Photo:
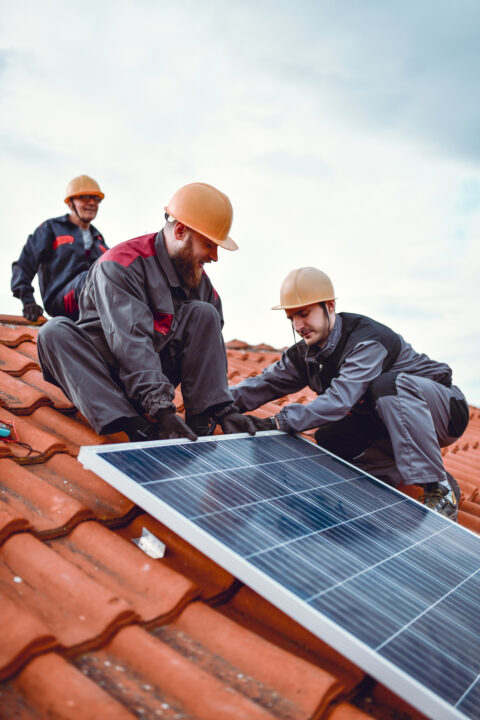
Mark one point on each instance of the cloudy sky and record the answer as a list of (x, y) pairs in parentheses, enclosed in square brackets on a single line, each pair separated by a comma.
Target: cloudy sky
[(346, 133)]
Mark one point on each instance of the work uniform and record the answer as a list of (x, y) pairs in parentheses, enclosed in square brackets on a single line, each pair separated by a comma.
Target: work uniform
[(380, 404), (140, 333), (58, 253)]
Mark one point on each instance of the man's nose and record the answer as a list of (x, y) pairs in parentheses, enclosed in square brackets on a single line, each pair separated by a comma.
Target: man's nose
[(213, 253), (297, 323)]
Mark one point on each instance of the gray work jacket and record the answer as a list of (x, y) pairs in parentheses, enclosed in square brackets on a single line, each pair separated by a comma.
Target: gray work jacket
[(129, 307), (357, 351)]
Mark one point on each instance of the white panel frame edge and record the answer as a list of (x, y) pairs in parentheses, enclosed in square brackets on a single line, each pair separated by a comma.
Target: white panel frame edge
[(355, 650)]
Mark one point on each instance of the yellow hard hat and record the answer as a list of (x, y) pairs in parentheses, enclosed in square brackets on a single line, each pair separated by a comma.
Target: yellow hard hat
[(305, 286), (205, 209), (82, 185)]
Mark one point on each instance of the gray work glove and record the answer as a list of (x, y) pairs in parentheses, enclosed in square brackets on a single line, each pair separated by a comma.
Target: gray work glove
[(170, 425), (32, 311), (233, 421), (264, 423)]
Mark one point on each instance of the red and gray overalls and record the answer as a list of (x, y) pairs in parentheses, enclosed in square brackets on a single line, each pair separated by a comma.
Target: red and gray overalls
[(380, 404), (140, 333), (56, 252)]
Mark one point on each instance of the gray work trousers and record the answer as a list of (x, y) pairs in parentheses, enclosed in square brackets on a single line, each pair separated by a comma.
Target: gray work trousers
[(397, 436), (82, 365)]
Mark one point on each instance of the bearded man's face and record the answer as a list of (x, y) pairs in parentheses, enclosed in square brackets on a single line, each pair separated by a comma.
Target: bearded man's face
[(189, 260)]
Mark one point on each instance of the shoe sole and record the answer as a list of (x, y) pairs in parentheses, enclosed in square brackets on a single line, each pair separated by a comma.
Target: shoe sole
[(455, 487), (457, 493)]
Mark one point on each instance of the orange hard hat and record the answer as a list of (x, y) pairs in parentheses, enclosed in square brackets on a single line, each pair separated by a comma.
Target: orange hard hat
[(305, 286), (205, 209), (82, 185)]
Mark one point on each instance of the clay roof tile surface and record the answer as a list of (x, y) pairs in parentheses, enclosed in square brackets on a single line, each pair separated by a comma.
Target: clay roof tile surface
[(94, 627)]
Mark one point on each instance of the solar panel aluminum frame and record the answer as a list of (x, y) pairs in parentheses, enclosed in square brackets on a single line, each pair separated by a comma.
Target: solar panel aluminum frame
[(327, 630)]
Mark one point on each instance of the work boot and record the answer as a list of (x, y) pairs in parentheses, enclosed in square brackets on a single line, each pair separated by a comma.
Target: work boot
[(442, 497)]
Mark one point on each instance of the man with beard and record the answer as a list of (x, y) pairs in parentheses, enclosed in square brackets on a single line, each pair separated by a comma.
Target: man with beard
[(150, 319)]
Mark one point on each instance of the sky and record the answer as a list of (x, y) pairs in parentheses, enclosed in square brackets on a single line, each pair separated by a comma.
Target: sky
[(346, 134)]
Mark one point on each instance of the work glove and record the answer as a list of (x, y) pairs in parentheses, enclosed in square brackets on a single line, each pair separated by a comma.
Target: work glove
[(235, 422), (170, 425), (32, 311), (264, 423)]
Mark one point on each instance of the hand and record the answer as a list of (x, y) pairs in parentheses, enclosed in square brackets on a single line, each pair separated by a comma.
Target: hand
[(269, 423), (32, 311), (235, 422), (170, 426)]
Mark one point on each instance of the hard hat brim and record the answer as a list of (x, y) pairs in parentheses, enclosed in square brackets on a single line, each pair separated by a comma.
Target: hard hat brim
[(227, 244), (90, 192), (292, 307)]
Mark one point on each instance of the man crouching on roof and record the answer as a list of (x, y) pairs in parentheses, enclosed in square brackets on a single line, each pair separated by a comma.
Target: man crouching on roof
[(380, 404), (149, 320)]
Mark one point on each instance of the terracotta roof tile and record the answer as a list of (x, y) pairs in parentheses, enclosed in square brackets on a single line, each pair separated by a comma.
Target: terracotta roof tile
[(345, 711), (17, 320), (252, 611), (20, 397), (24, 634), (13, 336), (50, 687), (212, 581), (167, 672), (72, 431), (29, 349), (77, 610), (74, 589), (153, 590), (10, 521), (59, 401), (236, 345), (49, 511), (15, 363), (40, 440), (107, 504), (305, 688)]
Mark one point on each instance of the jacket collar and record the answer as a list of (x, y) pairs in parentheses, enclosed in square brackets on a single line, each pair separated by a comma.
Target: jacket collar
[(165, 261), (66, 219), (315, 353)]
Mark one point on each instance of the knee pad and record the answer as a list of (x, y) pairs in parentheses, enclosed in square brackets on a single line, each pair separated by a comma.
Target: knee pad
[(385, 384)]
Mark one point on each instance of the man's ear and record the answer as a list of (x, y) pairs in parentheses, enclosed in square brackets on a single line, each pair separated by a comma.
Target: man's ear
[(179, 231), (330, 305)]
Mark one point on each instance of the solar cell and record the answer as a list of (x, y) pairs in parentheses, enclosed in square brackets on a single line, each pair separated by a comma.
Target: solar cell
[(392, 585)]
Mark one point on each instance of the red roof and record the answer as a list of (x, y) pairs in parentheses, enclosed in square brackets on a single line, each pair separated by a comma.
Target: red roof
[(93, 627)]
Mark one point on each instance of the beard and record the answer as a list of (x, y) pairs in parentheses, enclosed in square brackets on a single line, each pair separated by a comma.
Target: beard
[(186, 266)]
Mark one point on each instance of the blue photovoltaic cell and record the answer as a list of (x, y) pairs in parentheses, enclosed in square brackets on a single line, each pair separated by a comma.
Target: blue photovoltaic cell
[(400, 579)]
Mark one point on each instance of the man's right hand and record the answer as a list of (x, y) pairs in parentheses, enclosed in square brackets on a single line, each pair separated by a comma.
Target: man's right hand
[(32, 311), (170, 425)]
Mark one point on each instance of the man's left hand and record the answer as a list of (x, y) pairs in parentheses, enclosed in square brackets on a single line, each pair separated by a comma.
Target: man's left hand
[(235, 422), (264, 423)]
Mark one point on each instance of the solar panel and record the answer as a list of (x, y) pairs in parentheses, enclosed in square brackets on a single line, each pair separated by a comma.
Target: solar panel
[(389, 583)]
